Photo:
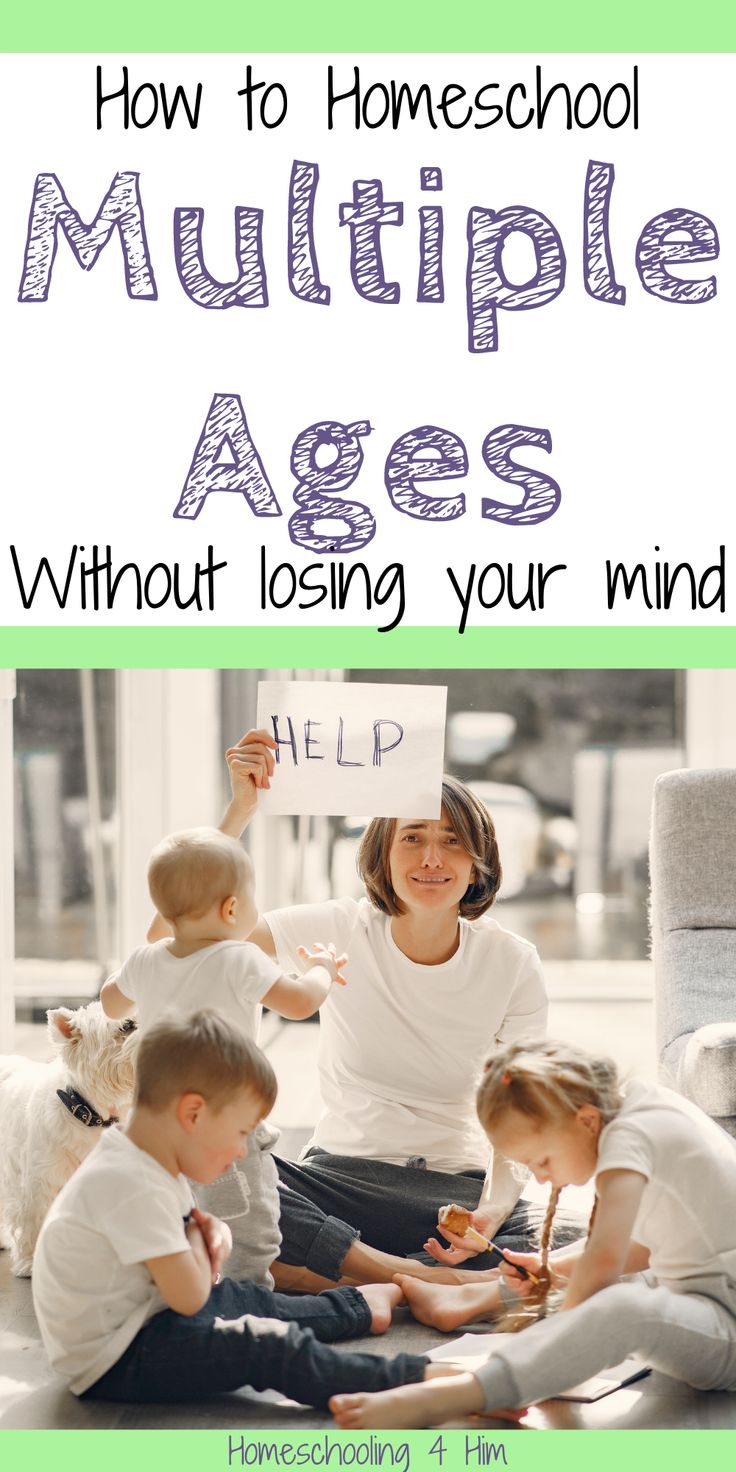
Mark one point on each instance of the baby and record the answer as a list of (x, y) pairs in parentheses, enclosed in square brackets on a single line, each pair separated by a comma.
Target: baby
[(202, 883)]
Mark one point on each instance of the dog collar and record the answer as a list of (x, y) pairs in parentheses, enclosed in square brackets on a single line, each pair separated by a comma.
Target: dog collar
[(84, 1111)]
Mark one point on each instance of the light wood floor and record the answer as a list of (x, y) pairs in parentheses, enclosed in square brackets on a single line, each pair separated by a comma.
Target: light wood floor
[(32, 1396)]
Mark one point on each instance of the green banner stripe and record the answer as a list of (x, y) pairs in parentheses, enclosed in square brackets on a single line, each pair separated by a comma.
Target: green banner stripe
[(431, 648), (414, 1451), (331, 25)]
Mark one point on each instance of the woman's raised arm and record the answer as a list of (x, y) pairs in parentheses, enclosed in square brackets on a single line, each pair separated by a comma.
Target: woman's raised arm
[(251, 765)]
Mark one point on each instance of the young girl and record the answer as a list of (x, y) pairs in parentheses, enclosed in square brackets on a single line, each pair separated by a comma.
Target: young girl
[(665, 1178)]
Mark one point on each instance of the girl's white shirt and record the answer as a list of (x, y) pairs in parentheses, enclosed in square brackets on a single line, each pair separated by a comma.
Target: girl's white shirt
[(687, 1214)]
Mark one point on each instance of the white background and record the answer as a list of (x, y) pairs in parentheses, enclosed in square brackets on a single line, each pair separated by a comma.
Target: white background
[(105, 397)]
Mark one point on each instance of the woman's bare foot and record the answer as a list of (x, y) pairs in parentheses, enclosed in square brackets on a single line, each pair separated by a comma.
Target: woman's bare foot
[(427, 1274), (444, 1307), (382, 1299), (363, 1264), (409, 1405)]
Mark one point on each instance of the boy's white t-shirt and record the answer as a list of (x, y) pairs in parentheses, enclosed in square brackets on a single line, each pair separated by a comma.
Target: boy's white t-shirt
[(402, 1045), (91, 1291), (232, 976), (687, 1214)]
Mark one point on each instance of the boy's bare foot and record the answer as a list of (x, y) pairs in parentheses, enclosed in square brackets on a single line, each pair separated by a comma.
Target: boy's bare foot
[(387, 1410), (445, 1307), (409, 1405), (382, 1299)]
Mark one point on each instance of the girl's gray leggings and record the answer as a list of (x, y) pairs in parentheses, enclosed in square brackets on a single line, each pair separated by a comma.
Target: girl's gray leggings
[(686, 1335)]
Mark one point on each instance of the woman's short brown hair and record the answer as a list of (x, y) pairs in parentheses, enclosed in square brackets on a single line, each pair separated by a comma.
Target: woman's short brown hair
[(473, 825)]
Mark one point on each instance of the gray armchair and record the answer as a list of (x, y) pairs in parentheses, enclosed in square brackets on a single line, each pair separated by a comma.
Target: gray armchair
[(693, 924)]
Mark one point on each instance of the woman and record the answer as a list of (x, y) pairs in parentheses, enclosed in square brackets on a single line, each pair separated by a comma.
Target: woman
[(433, 986)]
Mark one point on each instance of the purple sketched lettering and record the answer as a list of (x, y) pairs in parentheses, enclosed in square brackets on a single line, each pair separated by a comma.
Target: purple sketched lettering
[(598, 269), (316, 485), (655, 250), (430, 284), (405, 466), (249, 289), (304, 279), (310, 740), (121, 210), (343, 761), (365, 217), (226, 460), (289, 740), (379, 750), (488, 287), (541, 494)]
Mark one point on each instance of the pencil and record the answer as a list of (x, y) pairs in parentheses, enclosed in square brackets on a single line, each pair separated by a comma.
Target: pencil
[(472, 1234)]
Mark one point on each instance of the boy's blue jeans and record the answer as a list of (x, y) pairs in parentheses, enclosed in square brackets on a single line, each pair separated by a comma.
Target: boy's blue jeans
[(248, 1336)]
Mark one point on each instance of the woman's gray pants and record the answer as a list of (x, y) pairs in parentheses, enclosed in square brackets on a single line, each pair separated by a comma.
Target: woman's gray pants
[(686, 1335), (327, 1201)]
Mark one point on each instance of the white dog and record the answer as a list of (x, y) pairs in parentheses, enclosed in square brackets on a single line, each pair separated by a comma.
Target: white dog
[(53, 1114)]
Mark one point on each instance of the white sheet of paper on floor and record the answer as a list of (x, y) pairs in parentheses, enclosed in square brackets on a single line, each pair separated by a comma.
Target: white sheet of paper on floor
[(472, 1350), (354, 747)]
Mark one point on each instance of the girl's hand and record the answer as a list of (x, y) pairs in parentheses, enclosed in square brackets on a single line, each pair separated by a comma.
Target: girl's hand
[(217, 1239), (251, 765), (533, 1264), (325, 956)]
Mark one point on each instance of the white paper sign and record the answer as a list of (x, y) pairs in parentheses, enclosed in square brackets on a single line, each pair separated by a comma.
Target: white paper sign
[(375, 750)]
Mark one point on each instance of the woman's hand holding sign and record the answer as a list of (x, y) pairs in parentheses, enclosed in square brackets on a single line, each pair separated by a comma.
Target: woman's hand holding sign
[(251, 765)]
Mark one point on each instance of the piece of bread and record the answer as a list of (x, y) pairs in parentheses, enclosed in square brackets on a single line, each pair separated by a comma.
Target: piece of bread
[(455, 1218)]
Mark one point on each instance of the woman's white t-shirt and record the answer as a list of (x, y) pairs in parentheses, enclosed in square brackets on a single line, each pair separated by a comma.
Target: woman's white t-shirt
[(402, 1045)]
